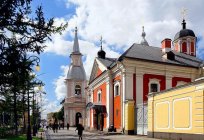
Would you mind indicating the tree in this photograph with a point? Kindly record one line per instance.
(21, 39)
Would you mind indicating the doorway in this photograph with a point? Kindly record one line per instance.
(77, 117)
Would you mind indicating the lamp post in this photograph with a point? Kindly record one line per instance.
(35, 59)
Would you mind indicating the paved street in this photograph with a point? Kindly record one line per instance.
(72, 135)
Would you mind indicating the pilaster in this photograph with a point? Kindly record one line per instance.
(139, 86)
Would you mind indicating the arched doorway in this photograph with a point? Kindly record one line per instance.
(78, 115)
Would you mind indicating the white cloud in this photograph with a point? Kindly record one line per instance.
(120, 21)
(60, 87)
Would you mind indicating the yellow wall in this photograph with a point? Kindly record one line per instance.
(129, 115)
(179, 110)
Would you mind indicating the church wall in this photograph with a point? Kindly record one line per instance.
(101, 88)
(175, 80)
(147, 78)
(117, 103)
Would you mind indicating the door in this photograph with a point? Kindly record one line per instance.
(141, 119)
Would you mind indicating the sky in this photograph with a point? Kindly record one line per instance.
(119, 22)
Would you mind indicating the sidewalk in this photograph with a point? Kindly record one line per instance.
(71, 134)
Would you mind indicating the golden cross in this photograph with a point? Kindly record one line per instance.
(183, 12)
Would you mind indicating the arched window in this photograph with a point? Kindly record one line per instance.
(184, 47)
(77, 90)
(99, 96)
(117, 89)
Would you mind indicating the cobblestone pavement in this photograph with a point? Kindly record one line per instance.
(72, 135)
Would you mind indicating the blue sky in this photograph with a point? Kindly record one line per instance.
(119, 22)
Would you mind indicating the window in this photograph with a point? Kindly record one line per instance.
(99, 96)
(77, 89)
(117, 89)
(154, 87)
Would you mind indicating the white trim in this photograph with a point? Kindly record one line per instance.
(117, 83)
(168, 115)
(190, 113)
(154, 81)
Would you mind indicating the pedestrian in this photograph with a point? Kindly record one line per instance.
(80, 129)
(56, 127)
(53, 127)
(67, 126)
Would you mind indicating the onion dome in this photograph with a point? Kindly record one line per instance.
(184, 32)
(101, 53)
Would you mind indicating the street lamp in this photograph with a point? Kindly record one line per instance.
(36, 59)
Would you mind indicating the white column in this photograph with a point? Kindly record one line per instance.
(109, 100)
(123, 98)
(139, 87)
(168, 81)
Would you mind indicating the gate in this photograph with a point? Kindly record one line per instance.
(141, 119)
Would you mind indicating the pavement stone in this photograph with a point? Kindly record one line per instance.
(71, 134)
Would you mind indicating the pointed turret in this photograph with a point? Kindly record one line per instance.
(144, 41)
(76, 69)
(76, 43)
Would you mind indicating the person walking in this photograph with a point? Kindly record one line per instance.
(80, 129)
(67, 126)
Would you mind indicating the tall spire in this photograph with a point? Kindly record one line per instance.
(144, 41)
(76, 43)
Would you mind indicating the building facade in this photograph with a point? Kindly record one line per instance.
(118, 85)
(75, 101)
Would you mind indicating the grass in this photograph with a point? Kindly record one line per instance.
(20, 137)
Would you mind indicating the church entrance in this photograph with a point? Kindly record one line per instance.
(98, 121)
(77, 117)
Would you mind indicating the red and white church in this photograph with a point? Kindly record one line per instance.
(138, 71)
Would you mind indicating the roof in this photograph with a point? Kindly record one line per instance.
(149, 53)
(76, 43)
(108, 62)
(76, 73)
(184, 33)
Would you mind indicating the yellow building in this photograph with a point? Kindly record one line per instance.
(177, 113)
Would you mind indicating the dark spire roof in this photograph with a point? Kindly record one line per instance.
(101, 53)
(76, 43)
(184, 32)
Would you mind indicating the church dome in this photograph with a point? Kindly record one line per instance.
(184, 32)
(102, 54)
(76, 73)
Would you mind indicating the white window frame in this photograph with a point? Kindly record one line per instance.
(117, 84)
(154, 81)
(99, 93)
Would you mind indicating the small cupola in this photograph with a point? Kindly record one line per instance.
(185, 40)
(144, 41)
(101, 53)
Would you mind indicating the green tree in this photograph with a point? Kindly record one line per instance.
(22, 37)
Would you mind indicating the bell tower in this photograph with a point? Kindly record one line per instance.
(185, 39)
(75, 102)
